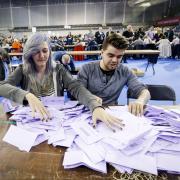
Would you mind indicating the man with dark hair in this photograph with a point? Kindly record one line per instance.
(107, 77)
(4, 64)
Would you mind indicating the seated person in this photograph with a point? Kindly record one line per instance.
(65, 59)
(92, 46)
(4, 64)
(39, 76)
(107, 77)
(16, 46)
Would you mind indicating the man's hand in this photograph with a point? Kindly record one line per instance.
(37, 106)
(100, 114)
(136, 108)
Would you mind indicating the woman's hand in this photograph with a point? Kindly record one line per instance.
(98, 99)
(37, 106)
(100, 114)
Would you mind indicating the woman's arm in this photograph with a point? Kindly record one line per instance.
(9, 89)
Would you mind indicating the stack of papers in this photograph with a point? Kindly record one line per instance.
(166, 148)
(147, 143)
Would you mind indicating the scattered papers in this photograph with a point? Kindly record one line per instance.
(86, 132)
(168, 162)
(146, 143)
(55, 136)
(20, 138)
(140, 162)
(74, 159)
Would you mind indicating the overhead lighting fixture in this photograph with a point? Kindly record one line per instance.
(33, 29)
(139, 1)
(145, 4)
(49, 32)
(67, 27)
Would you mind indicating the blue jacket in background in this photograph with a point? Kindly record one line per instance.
(57, 56)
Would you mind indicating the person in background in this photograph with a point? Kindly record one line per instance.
(129, 33)
(65, 59)
(147, 40)
(5, 45)
(4, 64)
(150, 33)
(170, 34)
(16, 46)
(99, 36)
(175, 46)
(139, 33)
(110, 31)
(40, 76)
(164, 47)
(90, 35)
(138, 41)
(106, 78)
(176, 40)
(69, 39)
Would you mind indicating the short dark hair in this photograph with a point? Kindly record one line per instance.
(116, 41)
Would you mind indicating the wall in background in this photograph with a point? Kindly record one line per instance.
(28, 13)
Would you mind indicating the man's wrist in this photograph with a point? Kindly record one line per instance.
(141, 101)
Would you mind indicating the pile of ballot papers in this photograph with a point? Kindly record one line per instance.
(148, 143)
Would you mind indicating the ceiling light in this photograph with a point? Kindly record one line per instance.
(139, 1)
(67, 27)
(145, 4)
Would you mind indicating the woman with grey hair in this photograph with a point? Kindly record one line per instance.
(40, 76)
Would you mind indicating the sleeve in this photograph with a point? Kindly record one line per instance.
(82, 75)
(77, 89)
(71, 64)
(55, 56)
(2, 71)
(8, 87)
(133, 83)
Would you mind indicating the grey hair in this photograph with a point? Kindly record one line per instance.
(32, 47)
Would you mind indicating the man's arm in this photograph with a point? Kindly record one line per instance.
(144, 96)
(82, 75)
(9, 89)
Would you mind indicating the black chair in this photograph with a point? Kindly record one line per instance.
(126, 56)
(152, 58)
(138, 47)
(158, 92)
